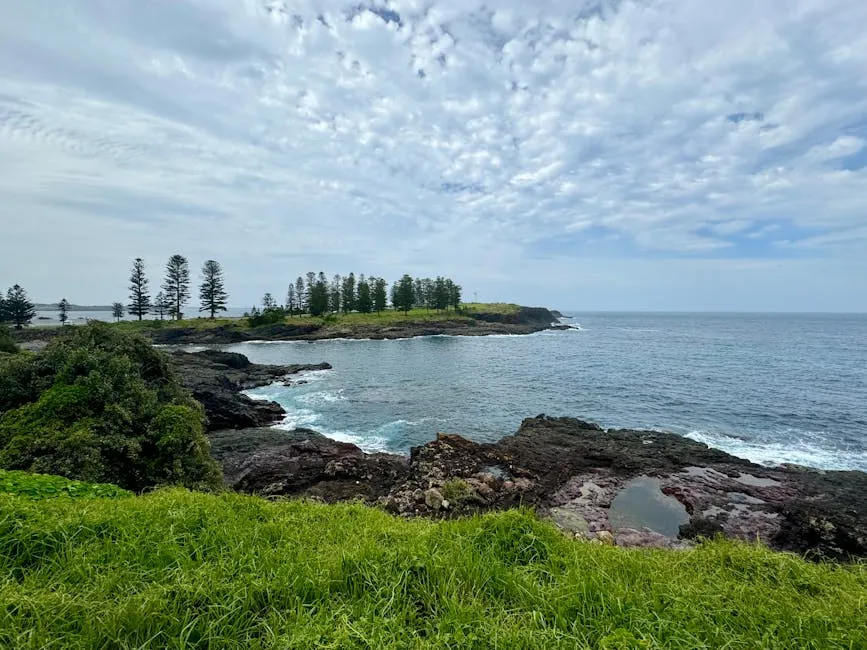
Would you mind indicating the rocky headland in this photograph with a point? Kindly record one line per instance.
(631, 488)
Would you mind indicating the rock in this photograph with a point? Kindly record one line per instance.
(644, 538)
(606, 537)
(215, 378)
(433, 498)
(574, 470)
(569, 521)
(273, 462)
(445, 504)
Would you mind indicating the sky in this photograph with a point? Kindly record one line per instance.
(665, 155)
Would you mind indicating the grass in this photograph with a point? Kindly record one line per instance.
(385, 318)
(43, 486)
(491, 308)
(176, 569)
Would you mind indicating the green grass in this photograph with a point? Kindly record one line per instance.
(44, 486)
(176, 569)
(491, 308)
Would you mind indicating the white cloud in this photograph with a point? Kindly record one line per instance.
(280, 137)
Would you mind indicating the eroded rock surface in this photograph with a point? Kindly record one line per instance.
(572, 471)
(215, 379)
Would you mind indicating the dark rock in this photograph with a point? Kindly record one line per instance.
(576, 470)
(273, 462)
(215, 379)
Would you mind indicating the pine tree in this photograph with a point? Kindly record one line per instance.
(319, 296)
(301, 295)
(4, 312)
(380, 295)
(117, 311)
(291, 300)
(212, 291)
(454, 295)
(364, 302)
(139, 297)
(17, 307)
(348, 293)
(177, 285)
(161, 305)
(334, 294)
(404, 295)
(63, 308)
(440, 294)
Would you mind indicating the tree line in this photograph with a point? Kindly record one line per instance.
(314, 294)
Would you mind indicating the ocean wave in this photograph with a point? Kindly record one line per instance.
(322, 397)
(806, 449)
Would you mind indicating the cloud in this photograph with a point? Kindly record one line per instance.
(431, 137)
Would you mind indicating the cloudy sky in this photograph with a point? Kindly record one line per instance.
(584, 154)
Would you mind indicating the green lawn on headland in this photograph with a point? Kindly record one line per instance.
(176, 569)
(384, 318)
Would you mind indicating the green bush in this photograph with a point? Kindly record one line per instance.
(270, 316)
(102, 406)
(6, 343)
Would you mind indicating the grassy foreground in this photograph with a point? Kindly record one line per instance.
(177, 569)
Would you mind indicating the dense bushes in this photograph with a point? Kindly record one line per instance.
(102, 406)
(6, 343)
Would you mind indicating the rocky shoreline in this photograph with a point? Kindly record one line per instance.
(525, 320)
(632, 488)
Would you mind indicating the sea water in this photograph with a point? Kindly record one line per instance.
(772, 388)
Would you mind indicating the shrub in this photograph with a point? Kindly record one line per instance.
(269, 316)
(102, 406)
(6, 342)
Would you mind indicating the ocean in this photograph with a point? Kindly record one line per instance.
(772, 388)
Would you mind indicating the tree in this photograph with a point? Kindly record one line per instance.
(404, 295)
(161, 305)
(139, 297)
(291, 300)
(212, 291)
(117, 311)
(177, 285)
(454, 295)
(63, 308)
(334, 294)
(440, 294)
(364, 302)
(380, 294)
(300, 294)
(348, 293)
(18, 309)
(4, 312)
(319, 297)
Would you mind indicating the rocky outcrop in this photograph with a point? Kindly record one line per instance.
(634, 488)
(216, 378)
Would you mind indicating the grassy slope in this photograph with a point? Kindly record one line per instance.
(341, 320)
(176, 569)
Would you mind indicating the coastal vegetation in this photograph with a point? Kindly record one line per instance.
(99, 405)
(16, 307)
(179, 569)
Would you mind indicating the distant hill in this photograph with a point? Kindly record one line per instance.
(52, 306)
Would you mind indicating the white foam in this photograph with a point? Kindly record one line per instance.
(298, 418)
(322, 397)
(370, 444)
(803, 450)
